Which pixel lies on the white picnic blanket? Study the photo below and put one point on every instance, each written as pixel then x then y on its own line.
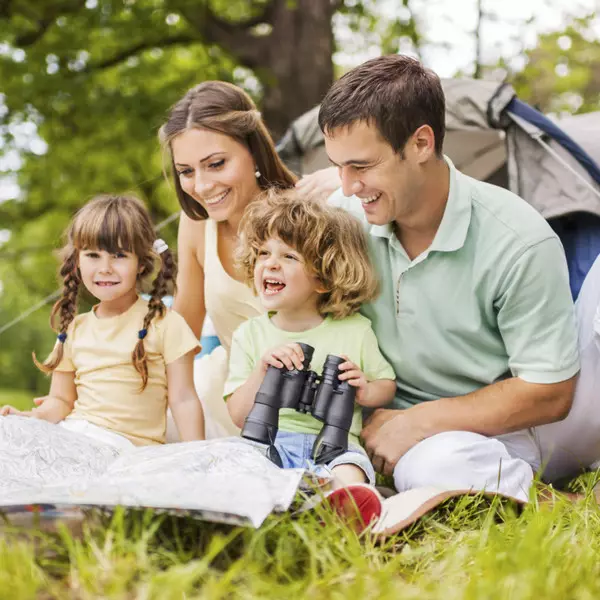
pixel 225 480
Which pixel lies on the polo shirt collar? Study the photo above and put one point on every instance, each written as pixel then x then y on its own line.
pixel 452 232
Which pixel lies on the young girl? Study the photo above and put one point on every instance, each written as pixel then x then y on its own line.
pixel 309 266
pixel 115 368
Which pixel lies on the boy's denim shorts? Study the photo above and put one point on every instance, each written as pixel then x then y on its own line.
pixel 295 450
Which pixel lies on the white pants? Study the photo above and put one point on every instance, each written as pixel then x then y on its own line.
pixel 506 464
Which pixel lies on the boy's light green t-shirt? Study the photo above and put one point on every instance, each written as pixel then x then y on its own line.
pixel 352 336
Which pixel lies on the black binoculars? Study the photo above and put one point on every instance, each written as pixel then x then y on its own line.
pixel 326 398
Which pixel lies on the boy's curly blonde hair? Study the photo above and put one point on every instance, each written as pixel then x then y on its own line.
pixel 331 242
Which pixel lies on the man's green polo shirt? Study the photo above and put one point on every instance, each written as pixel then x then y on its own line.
pixel 489 299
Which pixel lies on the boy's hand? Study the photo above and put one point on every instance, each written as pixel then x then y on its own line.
pixel 355 377
pixel 289 356
pixel 11 410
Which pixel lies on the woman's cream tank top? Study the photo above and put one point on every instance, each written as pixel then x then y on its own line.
pixel 228 302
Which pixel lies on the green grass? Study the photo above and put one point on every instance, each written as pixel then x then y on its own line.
pixel 466 550
pixel 20 399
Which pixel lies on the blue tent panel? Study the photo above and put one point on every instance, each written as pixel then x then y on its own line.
pixel 580 236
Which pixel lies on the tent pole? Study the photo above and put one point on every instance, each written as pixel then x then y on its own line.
pixel 558 157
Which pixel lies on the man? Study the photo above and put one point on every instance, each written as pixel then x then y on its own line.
pixel 475 312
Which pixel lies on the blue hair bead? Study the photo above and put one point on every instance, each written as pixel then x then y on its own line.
pixel 62 337
pixel 142 333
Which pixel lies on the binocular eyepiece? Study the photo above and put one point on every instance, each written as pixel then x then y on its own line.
pixel 325 397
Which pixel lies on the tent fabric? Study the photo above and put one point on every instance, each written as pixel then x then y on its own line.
pixel 584 128
pixel 580 236
pixel 542 122
pixel 546 175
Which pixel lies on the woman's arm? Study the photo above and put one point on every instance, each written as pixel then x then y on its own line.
pixel 189 299
pixel 183 400
pixel 319 185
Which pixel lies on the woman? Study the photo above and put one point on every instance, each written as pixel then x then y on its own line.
pixel 222 157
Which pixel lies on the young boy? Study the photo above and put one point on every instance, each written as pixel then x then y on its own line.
pixel 309 265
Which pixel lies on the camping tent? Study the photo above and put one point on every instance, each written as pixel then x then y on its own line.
pixel 493 136
pixel 584 128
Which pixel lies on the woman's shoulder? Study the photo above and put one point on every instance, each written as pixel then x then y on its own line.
pixel 191 233
pixel 191 239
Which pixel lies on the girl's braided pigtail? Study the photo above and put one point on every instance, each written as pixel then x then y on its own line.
pixel 63 311
pixel 160 287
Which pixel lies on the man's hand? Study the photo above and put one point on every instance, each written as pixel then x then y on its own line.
pixel 388 435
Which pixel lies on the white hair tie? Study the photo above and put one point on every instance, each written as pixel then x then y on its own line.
pixel 160 246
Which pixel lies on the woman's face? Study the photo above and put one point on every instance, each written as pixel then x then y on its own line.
pixel 216 171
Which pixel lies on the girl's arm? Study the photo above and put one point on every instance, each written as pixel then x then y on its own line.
pixel 60 399
pixel 189 299
pixel 183 399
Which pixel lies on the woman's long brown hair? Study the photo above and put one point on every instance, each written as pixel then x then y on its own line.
pixel 225 108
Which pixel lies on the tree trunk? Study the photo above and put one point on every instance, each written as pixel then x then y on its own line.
pixel 293 61
pixel 297 61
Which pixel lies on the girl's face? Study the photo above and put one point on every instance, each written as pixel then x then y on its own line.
pixel 112 278
pixel 216 171
pixel 282 280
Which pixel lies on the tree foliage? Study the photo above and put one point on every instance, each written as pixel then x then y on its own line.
pixel 562 73
pixel 87 83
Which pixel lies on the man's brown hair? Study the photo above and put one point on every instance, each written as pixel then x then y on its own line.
pixel 395 93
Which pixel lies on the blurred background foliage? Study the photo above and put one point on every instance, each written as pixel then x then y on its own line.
pixel 85 85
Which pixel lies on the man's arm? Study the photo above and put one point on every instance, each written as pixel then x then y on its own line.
pixel 496 409
pixel 535 317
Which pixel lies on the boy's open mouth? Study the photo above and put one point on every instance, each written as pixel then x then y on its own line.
pixel 272 286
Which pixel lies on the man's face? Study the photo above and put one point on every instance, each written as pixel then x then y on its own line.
pixel 369 168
